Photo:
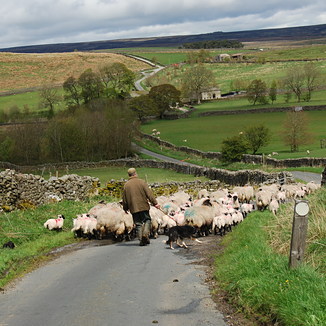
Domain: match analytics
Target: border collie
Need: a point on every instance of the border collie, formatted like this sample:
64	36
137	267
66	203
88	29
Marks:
179	233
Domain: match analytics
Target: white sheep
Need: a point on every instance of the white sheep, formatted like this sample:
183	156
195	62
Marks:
263	198
111	218
55	223
85	225
312	186
274	206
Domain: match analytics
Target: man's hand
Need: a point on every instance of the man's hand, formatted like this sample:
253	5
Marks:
157	206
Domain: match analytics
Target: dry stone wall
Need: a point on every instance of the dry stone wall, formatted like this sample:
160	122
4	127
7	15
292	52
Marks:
246	158
28	190
323	178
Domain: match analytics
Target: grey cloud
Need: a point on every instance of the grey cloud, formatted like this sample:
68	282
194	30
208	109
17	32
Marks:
27	22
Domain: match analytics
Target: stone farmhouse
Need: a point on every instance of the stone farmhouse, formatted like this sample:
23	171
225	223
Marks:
213	93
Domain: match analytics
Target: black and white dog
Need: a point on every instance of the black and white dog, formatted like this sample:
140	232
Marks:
179	233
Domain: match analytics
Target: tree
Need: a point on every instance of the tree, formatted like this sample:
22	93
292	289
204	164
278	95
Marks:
239	85
312	74
256	92
195	80
273	91
72	92
143	106
6	149
91	86
295	130
257	137
165	97
118	80
294	81
48	98
233	148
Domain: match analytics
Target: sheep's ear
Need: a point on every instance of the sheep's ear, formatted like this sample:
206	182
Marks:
207	202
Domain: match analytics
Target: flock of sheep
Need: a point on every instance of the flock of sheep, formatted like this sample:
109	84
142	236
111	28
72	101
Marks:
210	212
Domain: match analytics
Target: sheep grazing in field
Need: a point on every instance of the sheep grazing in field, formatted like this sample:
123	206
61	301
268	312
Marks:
85	226
55	223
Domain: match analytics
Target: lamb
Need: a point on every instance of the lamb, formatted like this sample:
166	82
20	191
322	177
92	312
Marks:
85	225
55	224
281	196
274	206
160	221
218	225
246	209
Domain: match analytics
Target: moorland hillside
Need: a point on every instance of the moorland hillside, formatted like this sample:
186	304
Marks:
307	33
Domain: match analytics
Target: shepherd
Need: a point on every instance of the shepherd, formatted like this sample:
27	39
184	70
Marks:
136	198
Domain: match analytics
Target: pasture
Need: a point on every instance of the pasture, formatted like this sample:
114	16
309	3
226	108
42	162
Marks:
225	73
207	133
105	174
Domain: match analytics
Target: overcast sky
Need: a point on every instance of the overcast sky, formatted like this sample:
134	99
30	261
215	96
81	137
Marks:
31	22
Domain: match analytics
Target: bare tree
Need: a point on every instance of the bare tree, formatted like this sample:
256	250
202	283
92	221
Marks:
312	74
300	80
295	130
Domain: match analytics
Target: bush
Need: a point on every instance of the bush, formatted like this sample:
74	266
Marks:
233	148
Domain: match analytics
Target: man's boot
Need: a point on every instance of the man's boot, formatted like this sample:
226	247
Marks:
147	231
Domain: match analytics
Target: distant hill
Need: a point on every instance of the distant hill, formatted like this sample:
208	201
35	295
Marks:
290	33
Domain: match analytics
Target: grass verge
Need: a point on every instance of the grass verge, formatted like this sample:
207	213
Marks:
33	242
260	282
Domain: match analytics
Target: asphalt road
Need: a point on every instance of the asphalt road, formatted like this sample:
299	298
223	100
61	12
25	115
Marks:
117	285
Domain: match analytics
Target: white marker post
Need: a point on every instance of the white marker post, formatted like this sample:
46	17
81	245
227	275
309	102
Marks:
299	232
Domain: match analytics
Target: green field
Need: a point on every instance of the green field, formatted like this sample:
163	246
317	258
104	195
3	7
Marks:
207	133
171	55
30	100
242	103
227	72
105	174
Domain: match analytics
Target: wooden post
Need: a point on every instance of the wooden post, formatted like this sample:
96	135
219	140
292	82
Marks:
299	232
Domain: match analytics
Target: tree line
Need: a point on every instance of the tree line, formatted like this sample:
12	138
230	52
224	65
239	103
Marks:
213	44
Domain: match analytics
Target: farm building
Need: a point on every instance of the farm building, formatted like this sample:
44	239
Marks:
237	56
223	57
211	94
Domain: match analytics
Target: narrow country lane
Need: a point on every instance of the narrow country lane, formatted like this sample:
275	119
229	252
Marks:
118	284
